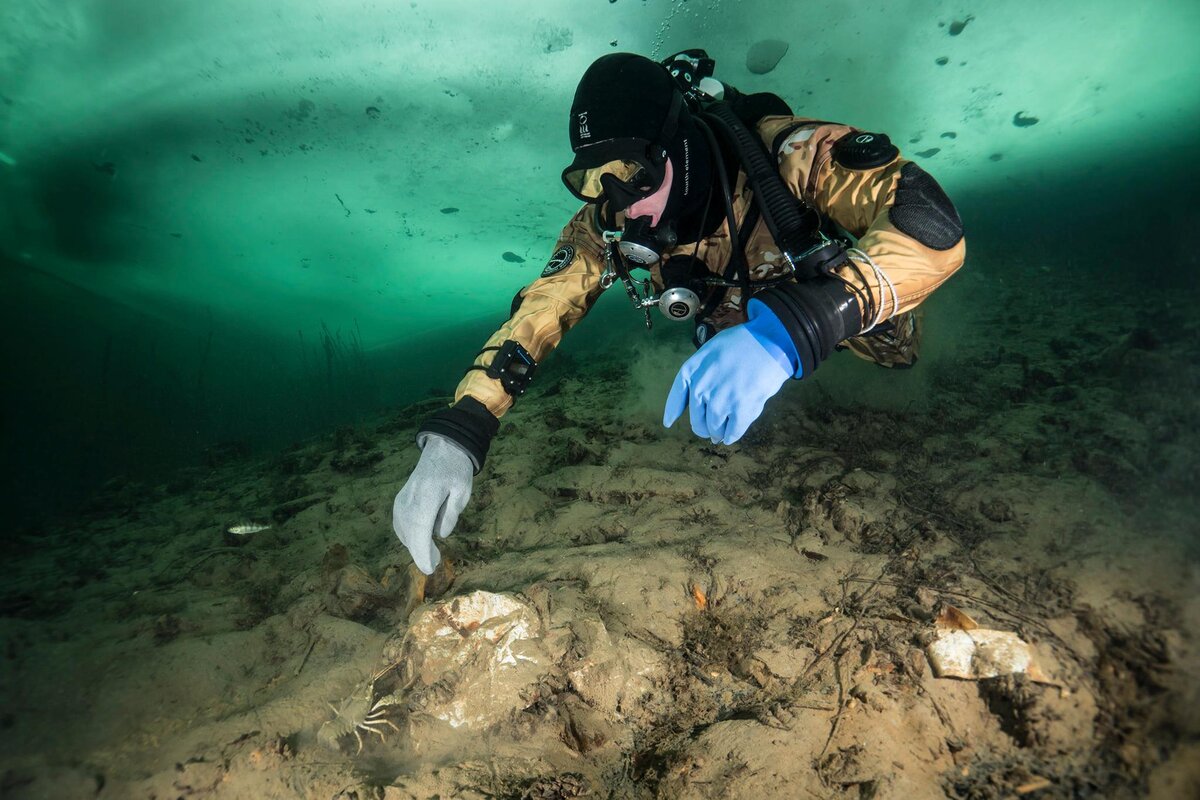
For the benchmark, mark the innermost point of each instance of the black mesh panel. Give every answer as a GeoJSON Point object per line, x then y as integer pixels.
{"type": "Point", "coordinates": [923, 211]}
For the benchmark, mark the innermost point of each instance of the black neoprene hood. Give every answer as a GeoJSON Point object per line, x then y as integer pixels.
{"type": "Point", "coordinates": [626, 106]}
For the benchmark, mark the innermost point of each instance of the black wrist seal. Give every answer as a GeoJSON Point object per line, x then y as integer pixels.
{"type": "Point", "coordinates": [468, 423]}
{"type": "Point", "coordinates": [817, 313]}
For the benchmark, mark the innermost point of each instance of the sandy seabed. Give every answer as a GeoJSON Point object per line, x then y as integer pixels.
{"type": "Point", "coordinates": [705, 621]}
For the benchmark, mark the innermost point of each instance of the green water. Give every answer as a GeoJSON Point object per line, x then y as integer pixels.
{"type": "Point", "coordinates": [232, 223]}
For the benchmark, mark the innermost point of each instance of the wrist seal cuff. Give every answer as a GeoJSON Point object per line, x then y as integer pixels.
{"type": "Point", "coordinates": [817, 314]}
{"type": "Point", "coordinates": [467, 423]}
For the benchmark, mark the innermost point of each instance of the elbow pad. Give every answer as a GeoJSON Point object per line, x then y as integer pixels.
{"type": "Point", "coordinates": [923, 211]}
{"type": "Point", "coordinates": [817, 315]}
{"type": "Point", "coordinates": [467, 423]}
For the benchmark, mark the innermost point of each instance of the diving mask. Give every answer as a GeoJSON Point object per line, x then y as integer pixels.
{"type": "Point", "coordinates": [621, 181]}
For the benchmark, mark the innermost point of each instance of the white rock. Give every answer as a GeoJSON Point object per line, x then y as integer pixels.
{"type": "Point", "coordinates": [980, 653]}
{"type": "Point", "coordinates": [486, 648]}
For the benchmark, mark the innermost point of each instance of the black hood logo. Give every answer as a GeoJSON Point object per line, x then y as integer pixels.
{"type": "Point", "coordinates": [584, 133]}
{"type": "Point", "coordinates": [561, 258]}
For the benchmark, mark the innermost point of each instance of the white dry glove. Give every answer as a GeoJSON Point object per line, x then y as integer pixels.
{"type": "Point", "coordinates": [437, 491]}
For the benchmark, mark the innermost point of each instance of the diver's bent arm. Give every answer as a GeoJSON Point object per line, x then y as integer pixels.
{"type": "Point", "coordinates": [541, 314]}
{"type": "Point", "coordinates": [910, 237]}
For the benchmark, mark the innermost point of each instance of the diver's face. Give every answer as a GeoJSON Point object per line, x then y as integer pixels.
{"type": "Point", "coordinates": [653, 205]}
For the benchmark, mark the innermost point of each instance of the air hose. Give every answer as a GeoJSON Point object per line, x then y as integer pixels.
{"type": "Point", "coordinates": [794, 226]}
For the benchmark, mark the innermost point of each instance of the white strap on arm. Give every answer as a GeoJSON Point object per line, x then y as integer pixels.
{"type": "Point", "coordinates": [882, 278]}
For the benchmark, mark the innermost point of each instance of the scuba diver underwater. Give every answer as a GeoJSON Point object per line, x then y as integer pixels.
{"type": "Point", "coordinates": [779, 238]}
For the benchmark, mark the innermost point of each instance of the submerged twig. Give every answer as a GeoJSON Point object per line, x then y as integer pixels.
{"type": "Point", "coordinates": [166, 579]}
{"type": "Point", "coordinates": [841, 707]}
{"type": "Point", "coordinates": [854, 626]}
{"type": "Point", "coordinates": [997, 607]}
{"type": "Point", "coordinates": [307, 652]}
{"type": "Point", "coordinates": [208, 555]}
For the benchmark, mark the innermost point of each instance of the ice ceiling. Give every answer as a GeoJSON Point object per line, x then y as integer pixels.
{"type": "Point", "coordinates": [190, 190]}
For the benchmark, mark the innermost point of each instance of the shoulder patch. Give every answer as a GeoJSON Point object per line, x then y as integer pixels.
{"type": "Point", "coordinates": [561, 258]}
{"type": "Point", "coordinates": [795, 141]}
{"type": "Point", "coordinates": [862, 150]}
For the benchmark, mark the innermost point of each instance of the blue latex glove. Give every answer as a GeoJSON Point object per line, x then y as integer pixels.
{"type": "Point", "coordinates": [729, 379]}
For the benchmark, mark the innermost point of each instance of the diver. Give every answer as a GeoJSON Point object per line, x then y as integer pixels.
{"type": "Point", "coordinates": [779, 238]}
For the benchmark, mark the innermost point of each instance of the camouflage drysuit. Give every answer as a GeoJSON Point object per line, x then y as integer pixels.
{"type": "Point", "coordinates": [900, 216]}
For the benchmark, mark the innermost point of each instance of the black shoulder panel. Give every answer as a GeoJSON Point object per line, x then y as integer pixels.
{"type": "Point", "coordinates": [923, 211]}
{"type": "Point", "coordinates": [751, 108]}
{"type": "Point", "coordinates": [516, 303]}
{"type": "Point", "coordinates": [864, 150]}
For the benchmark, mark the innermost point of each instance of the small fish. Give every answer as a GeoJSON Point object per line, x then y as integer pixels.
{"type": "Point", "coordinates": [449, 210]}
{"type": "Point", "coordinates": [512, 257]}
{"type": "Point", "coordinates": [247, 528]}
{"type": "Point", "coordinates": [958, 25]}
